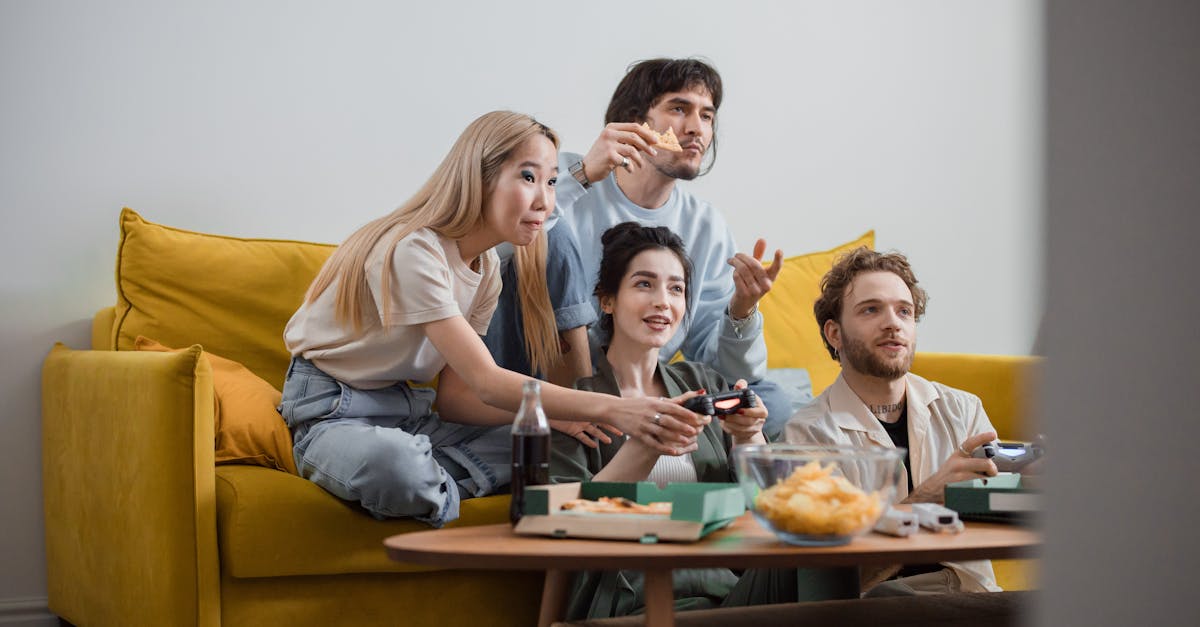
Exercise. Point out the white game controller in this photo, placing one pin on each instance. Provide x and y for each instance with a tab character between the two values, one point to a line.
895	522
1010	456
937	518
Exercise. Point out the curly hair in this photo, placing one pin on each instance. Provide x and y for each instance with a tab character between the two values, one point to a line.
837	281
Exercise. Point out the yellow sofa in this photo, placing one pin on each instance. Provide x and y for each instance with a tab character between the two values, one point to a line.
143	527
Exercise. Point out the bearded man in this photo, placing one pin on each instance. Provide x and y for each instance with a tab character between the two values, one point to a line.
868	311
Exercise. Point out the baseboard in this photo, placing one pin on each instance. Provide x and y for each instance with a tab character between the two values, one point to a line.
28	612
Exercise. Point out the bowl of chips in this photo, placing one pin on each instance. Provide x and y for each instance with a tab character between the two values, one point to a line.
813	495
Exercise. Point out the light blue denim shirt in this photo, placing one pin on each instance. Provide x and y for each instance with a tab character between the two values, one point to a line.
570	296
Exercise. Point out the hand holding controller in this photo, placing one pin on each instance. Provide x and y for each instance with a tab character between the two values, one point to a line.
1010	456
721	404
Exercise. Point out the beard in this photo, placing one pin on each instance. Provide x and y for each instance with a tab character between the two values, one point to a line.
861	358
675	170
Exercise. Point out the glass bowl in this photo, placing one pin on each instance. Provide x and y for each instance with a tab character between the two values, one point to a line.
814	495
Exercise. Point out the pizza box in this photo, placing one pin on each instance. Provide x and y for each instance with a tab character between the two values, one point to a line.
696	510
1007	497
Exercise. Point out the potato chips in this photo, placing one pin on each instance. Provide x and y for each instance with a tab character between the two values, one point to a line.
812	501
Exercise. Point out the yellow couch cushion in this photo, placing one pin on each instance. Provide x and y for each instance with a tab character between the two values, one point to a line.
272	524
1006	384
789	326
248	428
231	295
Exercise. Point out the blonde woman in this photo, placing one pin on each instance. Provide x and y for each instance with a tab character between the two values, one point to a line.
408	295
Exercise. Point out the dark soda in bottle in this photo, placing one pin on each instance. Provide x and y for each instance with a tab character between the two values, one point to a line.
530	448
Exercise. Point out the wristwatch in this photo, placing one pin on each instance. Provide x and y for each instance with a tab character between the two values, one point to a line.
581	176
740	323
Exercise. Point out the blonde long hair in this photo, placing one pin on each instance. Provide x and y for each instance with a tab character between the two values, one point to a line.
541	332
451	204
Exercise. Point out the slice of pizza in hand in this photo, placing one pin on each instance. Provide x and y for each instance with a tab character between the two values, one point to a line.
667	140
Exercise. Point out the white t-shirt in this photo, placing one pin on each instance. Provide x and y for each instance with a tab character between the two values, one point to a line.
430	282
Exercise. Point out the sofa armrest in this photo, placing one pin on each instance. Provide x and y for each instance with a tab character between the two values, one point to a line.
102	329
128	482
1007	385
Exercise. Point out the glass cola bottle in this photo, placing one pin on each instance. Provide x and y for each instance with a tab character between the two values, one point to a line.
530	448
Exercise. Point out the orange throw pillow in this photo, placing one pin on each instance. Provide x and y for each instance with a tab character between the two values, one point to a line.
248	428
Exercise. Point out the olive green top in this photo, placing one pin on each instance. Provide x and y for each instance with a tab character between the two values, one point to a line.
571	460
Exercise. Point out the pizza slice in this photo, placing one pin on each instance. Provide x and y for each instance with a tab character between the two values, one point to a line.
618	505
667	140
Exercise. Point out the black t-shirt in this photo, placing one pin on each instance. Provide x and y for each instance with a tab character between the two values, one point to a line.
898	432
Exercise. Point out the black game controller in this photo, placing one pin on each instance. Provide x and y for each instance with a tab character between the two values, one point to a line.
1011	456
721	404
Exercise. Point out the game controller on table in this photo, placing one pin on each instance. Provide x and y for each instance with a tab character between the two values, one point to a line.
1011	456
722	403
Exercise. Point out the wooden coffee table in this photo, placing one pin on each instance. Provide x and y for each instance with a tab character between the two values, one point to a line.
744	544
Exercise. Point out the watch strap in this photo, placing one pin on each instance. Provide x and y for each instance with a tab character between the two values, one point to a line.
580	175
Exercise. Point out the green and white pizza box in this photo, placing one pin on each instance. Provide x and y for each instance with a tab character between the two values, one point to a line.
697	509
1007	497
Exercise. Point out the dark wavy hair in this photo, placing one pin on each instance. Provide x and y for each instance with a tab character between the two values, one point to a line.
621	244
862	259
646	82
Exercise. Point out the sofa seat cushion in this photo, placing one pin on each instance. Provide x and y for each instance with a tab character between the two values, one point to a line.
273	524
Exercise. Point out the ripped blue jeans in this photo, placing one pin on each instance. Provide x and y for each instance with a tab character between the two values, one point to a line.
386	450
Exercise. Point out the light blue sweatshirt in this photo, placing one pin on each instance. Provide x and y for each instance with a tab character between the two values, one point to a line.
709	336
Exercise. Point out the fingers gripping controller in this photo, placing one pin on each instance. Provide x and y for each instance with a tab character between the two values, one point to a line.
721	404
1010	456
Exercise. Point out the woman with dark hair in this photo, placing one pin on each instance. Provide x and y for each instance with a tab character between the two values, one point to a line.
642	288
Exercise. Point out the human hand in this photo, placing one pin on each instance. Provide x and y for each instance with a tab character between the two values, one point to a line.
659	423
960	466
619	142
751	281
590	433
745	426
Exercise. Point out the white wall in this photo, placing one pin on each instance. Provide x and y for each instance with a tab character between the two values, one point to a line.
303	120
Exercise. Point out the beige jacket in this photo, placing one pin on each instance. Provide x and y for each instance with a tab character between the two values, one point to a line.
939	419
